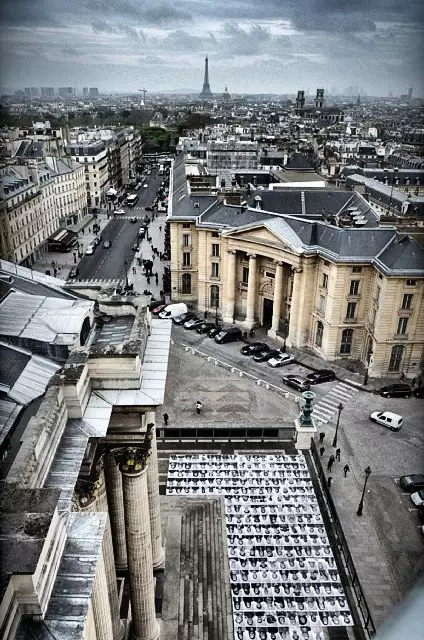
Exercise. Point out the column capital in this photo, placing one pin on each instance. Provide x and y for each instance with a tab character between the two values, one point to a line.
251	256
296	269
279	263
132	461
232	251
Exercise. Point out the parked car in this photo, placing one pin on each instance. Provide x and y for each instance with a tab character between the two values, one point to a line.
120	212
73	273
419	392
397	390
173	310
253	347
266	354
90	250
145	185
232	334
418	498
205	327
95	241
107	244
280	360
388	419
297	382
148	208
156	310
133	219
321	375
183	317
414	482
188	324
213	331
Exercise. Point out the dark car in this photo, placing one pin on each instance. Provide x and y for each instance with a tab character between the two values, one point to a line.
213	331
205	327
414	482
133	219
253	347
398	390
183	317
96	241
322	375
297	382
266	354
421	512
148	208
419	392
73	273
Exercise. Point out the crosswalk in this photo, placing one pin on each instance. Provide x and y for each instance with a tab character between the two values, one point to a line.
326	408
104	281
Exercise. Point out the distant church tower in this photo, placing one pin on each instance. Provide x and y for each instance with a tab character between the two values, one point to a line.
206	93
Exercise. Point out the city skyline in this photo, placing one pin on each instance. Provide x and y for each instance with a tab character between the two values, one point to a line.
271	47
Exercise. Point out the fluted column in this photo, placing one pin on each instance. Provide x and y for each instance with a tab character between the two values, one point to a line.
158	553
231	286
100	600
294	307
139	548
251	291
116	511
278	298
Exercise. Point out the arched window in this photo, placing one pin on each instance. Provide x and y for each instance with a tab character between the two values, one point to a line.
396	357
347	339
214	296
319	333
186	281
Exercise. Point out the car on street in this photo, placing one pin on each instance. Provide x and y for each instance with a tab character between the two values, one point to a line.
191	322
73	273
253	347
280	360
148	208
205	327
156	310
297	382
388	419
266	354
107	244
414	482
397	390
321	375
213	331
183	317
419	392
418	498
120	212
95	241
90	250
421	513
133	219
145	185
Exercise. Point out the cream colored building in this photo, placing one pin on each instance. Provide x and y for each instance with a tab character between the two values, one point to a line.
93	155
312	263
69	188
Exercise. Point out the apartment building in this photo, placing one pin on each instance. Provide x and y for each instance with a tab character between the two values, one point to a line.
70	189
94	157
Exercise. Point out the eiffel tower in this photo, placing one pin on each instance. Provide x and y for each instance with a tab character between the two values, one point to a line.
206	93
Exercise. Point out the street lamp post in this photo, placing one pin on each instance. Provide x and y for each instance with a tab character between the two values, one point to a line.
285	332
126	274
361	504
339	409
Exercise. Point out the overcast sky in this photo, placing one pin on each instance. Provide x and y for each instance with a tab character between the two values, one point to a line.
254	46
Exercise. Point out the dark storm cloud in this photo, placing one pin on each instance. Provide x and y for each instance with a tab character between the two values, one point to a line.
27	13
101	26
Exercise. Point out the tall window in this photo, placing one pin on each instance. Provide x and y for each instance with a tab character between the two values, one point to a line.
215	270
186	239
214	296
402	326
407	301
321	304
396	357
354	288
319	333
186	282
347	339
245	276
324	280
186	259
215	250
351	310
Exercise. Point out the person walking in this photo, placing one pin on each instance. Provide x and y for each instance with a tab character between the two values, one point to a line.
338	452
205	315
157	279
346	468
414	380
330	462
252	333
160	228
329	481
165	419
321	451
134	270
198	407
321	437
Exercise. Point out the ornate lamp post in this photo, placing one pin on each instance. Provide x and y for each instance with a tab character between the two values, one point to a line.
339	409
126	274
361	504
285	333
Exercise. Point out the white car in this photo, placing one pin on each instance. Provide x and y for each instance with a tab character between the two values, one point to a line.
418	498
90	250
145	185
388	419
280	360
120	212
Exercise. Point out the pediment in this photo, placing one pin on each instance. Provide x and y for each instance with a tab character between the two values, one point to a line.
263	236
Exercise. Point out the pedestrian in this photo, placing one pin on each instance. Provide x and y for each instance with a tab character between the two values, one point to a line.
89	229
252	333
165	419
205	315
321	451
198	407
55	272
134	270
419	382
244	335
414	380
321	437
329	481
330	462
161	293
148	279
82	231
160	228
157	279
338	452
402	376
346	468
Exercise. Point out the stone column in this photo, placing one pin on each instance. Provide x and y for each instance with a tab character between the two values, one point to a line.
251	292
294	307
278	298
116	511
231	286
158	553
100	600
139	548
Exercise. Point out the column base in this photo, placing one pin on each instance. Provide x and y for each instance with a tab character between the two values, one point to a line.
160	559
154	636
248	324
304	435
272	333
229	319
121	567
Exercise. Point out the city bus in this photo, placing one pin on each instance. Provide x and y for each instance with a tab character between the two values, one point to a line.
131	200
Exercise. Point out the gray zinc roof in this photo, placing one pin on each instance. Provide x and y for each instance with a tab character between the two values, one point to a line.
402	255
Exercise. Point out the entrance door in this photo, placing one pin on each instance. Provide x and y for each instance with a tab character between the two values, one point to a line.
267	312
